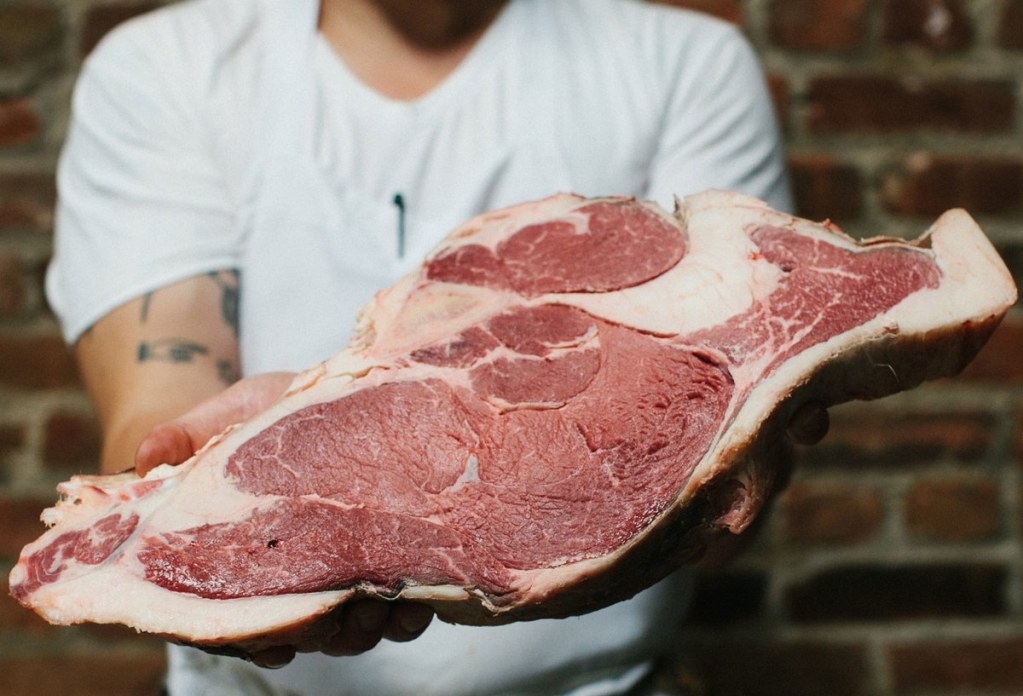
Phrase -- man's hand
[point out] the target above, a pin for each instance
(359, 626)
(175, 441)
(808, 426)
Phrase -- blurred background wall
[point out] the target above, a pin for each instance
(893, 563)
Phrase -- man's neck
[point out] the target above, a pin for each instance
(404, 48)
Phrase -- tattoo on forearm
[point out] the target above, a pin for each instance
(175, 350)
(180, 350)
(228, 282)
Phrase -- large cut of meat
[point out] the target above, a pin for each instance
(552, 413)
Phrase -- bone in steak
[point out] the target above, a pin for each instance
(553, 412)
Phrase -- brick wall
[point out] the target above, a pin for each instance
(893, 564)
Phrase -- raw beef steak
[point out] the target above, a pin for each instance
(552, 413)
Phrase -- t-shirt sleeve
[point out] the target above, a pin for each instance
(719, 129)
(141, 199)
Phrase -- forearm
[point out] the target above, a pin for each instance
(157, 356)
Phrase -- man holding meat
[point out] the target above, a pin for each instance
(241, 175)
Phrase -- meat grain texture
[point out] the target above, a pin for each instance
(562, 405)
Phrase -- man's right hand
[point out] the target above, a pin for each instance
(176, 440)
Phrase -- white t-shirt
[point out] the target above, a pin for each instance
(221, 134)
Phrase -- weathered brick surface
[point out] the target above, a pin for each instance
(779, 88)
(898, 592)
(26, 201)
(36, 362)
(863, 438)
(18, 122)
(1018, 452)
(818, 25)
(12, 438)
(998, 361)
(100, 19)
(72, 442)
(97, 674)
(19, 518)
(951, 666)
(1010, 25)
(1011, 252)
(953, 509)
(727, 597)
(12, 286)
(838, 514)
(936, 25)
(926, 184)
(875, 103)
(28, 30)
(780, 668)
(824, 188)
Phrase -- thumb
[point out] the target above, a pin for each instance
(175, 441)
(167, 443)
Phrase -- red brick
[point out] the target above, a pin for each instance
(12, 438)
(862, 437)
(824, 188)
(818, 25)
(18, 122)
(998, 362)
(926, 184)
(19, 518)
(26, 201)
(95, 674)
(990, 664)
(726, 597)
(866, 592)
(881, 104)
(1010, 25)
(1011, 251)
(36, 362)
(831, 513)
(72, 442)
(729, 10)
(937, 25)
(778, 86)
(28, 30)
(953, 510)
(779, 668)
(12, 286)
(102, 18)
(1019, 455)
